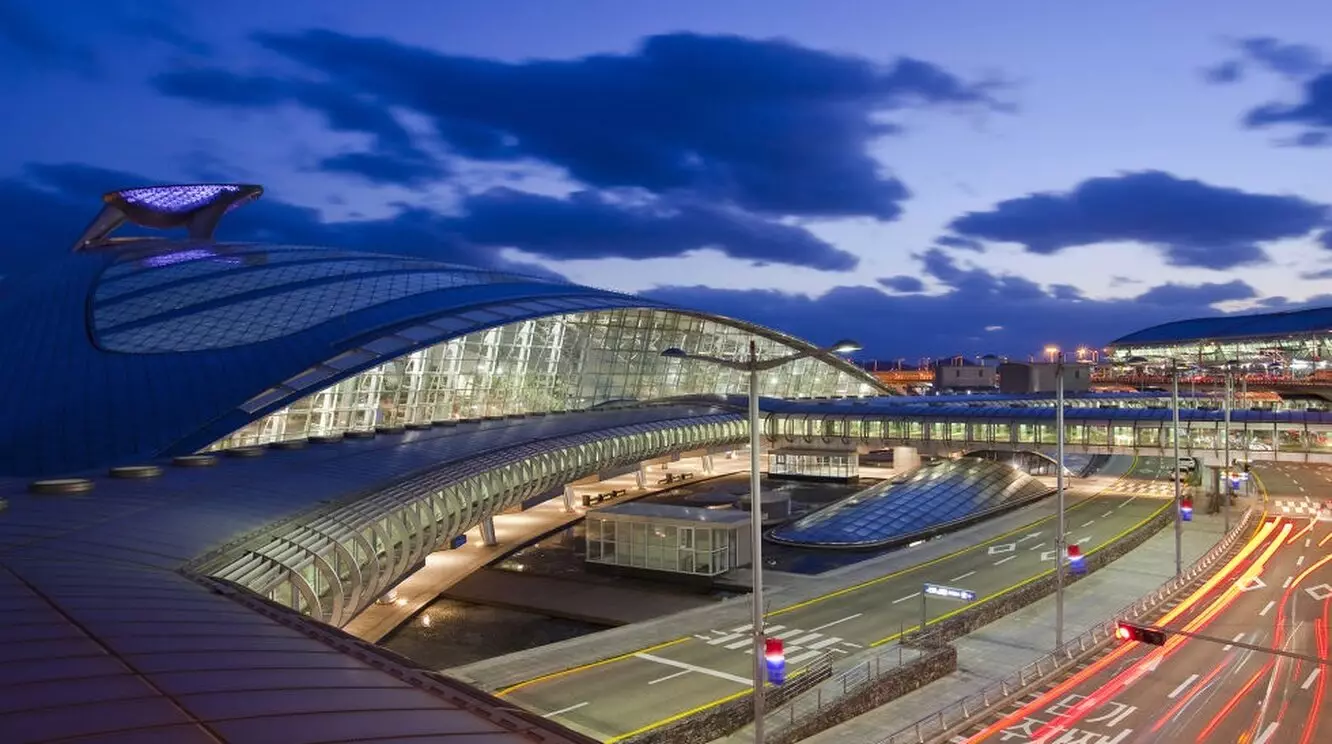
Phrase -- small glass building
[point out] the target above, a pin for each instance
(814, 464)
(663, 537)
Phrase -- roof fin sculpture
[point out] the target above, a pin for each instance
(197, 207)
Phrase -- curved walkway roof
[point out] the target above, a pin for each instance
(1317, 320)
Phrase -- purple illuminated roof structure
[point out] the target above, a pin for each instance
(197, 207)
(177, 199)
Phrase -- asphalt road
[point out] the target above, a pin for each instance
(1200, 690)
(641, 691)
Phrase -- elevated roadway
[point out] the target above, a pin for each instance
(637, 692)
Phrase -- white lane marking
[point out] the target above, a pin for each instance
(1308, 681)
(1004, 560)
(743, 643)
(848, 643)
(1267, 733)
(825, 626)
(830, 640)
(1227, 647)
(805, 640)
(692, 668)
(963, 576)
(785, 634)
(1308, 541)
(563, 710)
(999, 549)
(703, 637)
(804, 656)
(1267, 608)
(1108, 514)
(724, 639)
(1037, 546)
(1286, 584)
(680, 673)
(1182, 686)
(1299, 561)
(1084, 540)
(899, 600)
(1087, 524)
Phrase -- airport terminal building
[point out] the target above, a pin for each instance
(207, 443)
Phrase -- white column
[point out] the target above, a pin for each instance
(488, 531)
(905, 458)
(568, 500)
(641, 475)
(707, 465)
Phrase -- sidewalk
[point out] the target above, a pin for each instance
(1018, 639)
(513, 530)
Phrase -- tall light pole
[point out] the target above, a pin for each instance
(753, 365)
(1226, 405)
(1175, 472)
(1060, 539)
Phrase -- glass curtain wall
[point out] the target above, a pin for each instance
(553, 363)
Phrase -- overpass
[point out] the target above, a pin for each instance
(1027, 422)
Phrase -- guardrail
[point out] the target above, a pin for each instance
(980, 702)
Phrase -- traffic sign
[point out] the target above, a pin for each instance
(950, 592)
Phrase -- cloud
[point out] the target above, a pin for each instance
(395, 159)
(588, 226)
(1190, 222)
(954, 241)
(54, 35)
(766, 126)
(1316, 275)
(44, 209)
(903, 283)
(1292, 61)
(1313, 112)
(1194, 295)
(936, 325)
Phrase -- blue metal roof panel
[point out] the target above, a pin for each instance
(1316, 320)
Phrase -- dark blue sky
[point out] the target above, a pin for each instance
(942, 178)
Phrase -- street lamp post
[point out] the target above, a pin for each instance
(754, 366)
(1060, 539)
(1175, 472)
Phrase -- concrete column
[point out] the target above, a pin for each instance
(641, 475)
(488, 531)
(905, 458)
(569, 500)
(707, 464)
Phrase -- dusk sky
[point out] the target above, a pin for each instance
(941, 178)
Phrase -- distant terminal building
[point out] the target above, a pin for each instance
(1041, 377)
(1288, 344)
(962, 374)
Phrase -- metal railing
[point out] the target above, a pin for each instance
(865, 671)
(980, 702)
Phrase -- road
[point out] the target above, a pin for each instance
(637, 692)
(1197, 690)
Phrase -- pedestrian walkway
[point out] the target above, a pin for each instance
(1018, 639)
(513, 530)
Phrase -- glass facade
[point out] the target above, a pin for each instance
(815, 464)
(932, 495)
(553, 363)
(662, 545)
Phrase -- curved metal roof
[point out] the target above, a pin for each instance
(958, 412)
(150, 348)
(1316, 320)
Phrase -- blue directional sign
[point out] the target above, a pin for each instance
(950, 592)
